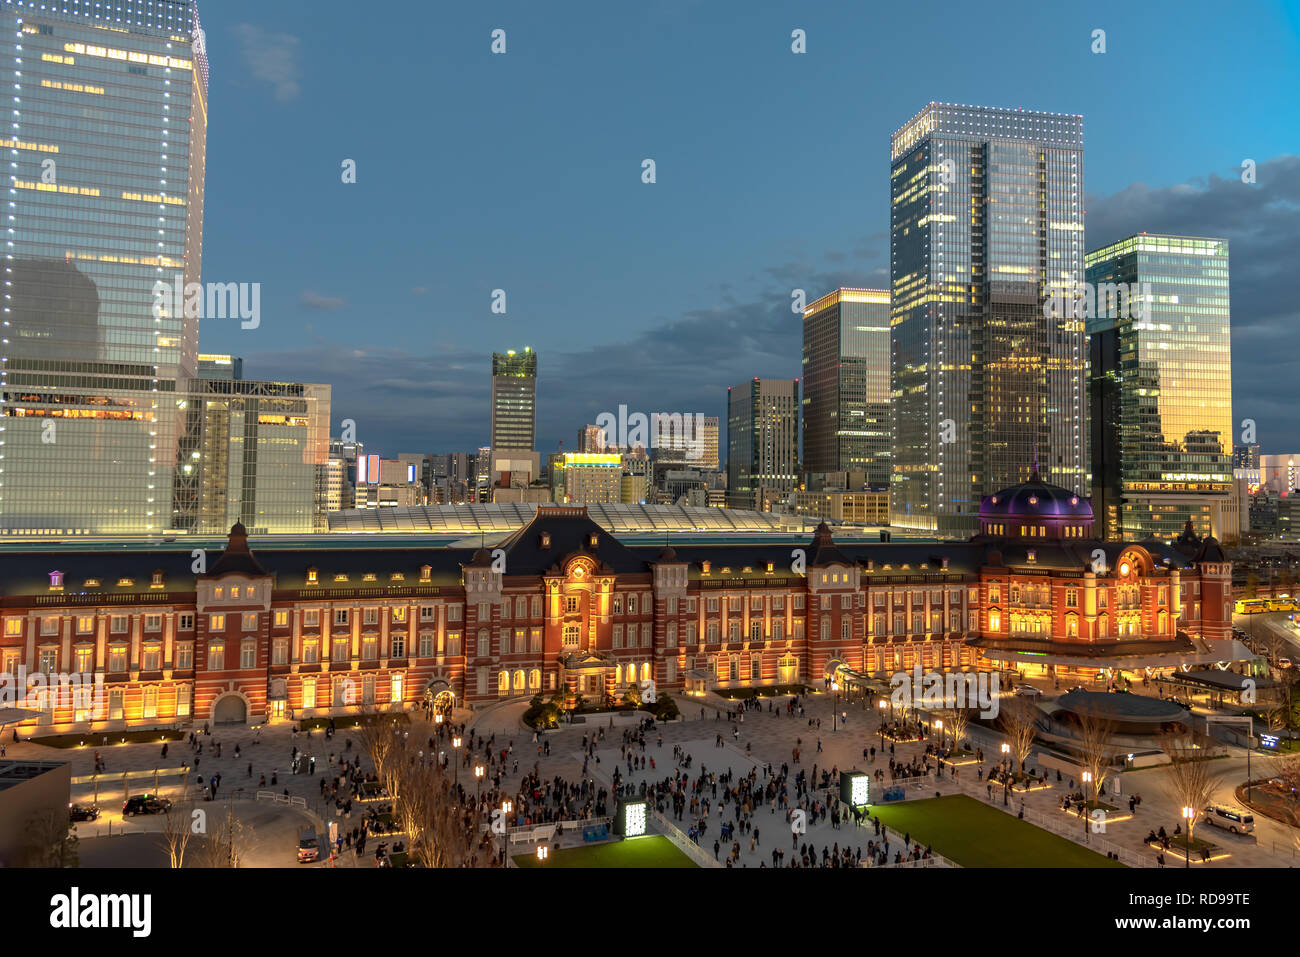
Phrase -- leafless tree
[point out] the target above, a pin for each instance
(1189, 779)
(1286, 768)
(51, 840)
(224, 845)
(178, 828)
(1018, 719)
(381, 740)
(1095, 748)
(955, 722)
(441, 831)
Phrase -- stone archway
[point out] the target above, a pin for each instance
(230, 709)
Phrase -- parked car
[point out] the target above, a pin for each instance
(1028, 691)
(1232, 819)
(145, 804)
(81, 812)
(308, 845)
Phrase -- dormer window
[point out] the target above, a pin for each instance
(340, 577)
(92, 582)
(425, 572)
(397, 577)
(544, 540)
(125, 582)
(1031, 555)
(311, 576)
(770, 567)
(368, 577)
(56, 580)
(705, 566)
(157, 580)
(593, 540)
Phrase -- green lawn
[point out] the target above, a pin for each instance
(95, 739)
(972, 835)
(650, 851)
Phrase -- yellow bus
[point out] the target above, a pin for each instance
(1251, 606)
(1281, 604)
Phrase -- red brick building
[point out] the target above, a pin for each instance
(561, 603)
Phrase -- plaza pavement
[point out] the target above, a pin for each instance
(770, 738)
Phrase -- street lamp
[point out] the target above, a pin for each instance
(835, 714)
(1006, 781)
(1087, 780)
(479, 771)
(938, 726)
(543, 852)
(1189, 814)
(455, 748)
(883, 705)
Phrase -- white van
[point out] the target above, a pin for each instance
(1230, 818)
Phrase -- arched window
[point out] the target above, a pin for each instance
(503, 684)
(535, 679)
(618, 674)
(519, 679)
(645, 671)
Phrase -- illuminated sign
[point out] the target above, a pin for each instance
(855, 788)
(631, 819)
(1268, 740)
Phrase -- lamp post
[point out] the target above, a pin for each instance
(883, 705)
(1006, 781)
(1087, 780)
(479, 771)
(1189, 815)
(543, 852)
(455, 750)
(938, 726)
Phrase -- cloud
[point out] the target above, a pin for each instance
(1261, 222)
(313, 301)
(419, 290)
(271, 58)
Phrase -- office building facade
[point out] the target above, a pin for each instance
(1158, 319)
(514, 412)
(845, 409)
(107, 147)
(986, 222)
(762, 441)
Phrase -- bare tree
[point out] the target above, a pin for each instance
(381, 741)
(955, 722)
(225, 845)
(178, 828)
(1188, 777)
(51, 840)
(1018, 719)
(1095, 748)
(441, 830)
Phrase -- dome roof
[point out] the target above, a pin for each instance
(1035, 499)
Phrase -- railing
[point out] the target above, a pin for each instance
(681, 841)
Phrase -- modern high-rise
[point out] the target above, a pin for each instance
(514, 411)
(846, 384)
(762, 441)
(986, 223)
(106, 148)
(1158, 318)
(253, 452)
(689, 438)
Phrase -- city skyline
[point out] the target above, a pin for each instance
(682, 307)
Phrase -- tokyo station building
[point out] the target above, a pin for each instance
(277, 635)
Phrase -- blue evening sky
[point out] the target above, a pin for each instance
(522, 172)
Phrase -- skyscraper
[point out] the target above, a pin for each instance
(1158, 317)
(986, 221)
(107, 146)
(514, 412)
(846, 384)
(762, 441)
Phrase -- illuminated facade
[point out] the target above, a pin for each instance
(845, 378)
(986, 221)
(294, 633)
(762, 442)
(591, 477)
(1161, 388)
(514, 412)
(107, 149)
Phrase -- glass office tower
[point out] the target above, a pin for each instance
(105, 199)
(986, 220)
(846, 384)
(1165, 388)
(514, 401)
(762, 442)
